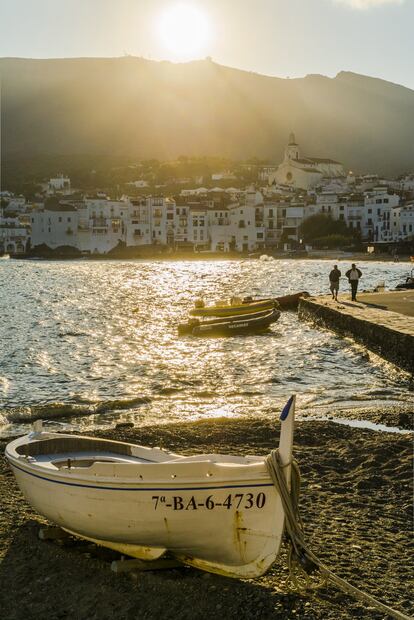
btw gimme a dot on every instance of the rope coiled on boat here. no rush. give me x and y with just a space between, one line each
299 550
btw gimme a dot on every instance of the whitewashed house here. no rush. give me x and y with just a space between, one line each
221 235
247 235
59 185
15 204
55 227
139 223
378 205
14 236
199 226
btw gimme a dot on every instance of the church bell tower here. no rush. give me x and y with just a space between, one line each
292 149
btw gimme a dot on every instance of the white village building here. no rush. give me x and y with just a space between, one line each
304 172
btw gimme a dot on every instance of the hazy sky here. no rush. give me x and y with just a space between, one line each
275 37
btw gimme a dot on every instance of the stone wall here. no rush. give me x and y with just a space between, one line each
388 334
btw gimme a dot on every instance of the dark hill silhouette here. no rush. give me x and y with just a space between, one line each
141 108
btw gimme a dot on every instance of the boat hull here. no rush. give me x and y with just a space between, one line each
226 528
227 311
220 513
231 326
247 325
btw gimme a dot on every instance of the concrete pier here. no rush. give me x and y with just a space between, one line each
383 322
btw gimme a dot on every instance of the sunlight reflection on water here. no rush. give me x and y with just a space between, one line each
91 332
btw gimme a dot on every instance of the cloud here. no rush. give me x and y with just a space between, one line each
367 4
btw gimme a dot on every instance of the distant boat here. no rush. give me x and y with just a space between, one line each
409 282
235 307
287 302
220 513
4 256
231 326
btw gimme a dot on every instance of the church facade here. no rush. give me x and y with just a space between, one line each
304 172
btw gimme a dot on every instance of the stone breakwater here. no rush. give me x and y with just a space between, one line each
387 333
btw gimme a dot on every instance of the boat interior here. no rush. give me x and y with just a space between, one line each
65 452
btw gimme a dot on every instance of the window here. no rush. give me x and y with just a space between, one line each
341 216
201 223
378 201
242 224
270 212
271 224
386 201
369 210
341 208
260 235
369 221
60 219
32 220
68 219
195 222
170 216
48 230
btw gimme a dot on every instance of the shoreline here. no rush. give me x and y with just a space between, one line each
356 503
398 416
216 256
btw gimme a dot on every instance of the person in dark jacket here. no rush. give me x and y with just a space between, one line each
334 280
353 276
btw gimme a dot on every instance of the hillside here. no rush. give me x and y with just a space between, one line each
140 108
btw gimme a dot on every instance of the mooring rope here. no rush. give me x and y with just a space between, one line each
305 558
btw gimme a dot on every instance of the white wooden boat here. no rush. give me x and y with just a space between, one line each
216 512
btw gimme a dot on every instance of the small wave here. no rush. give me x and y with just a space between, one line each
52 411
113 405
166 391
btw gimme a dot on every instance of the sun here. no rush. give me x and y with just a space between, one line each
184 31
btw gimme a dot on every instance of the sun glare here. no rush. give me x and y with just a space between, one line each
184 31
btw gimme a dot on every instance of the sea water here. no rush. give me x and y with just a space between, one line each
88 343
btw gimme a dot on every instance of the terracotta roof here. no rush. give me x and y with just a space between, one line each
322 160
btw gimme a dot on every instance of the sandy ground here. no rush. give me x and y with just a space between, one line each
356 503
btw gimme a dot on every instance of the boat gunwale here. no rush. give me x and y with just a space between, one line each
82 482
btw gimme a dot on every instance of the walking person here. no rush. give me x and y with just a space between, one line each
334 280
353 276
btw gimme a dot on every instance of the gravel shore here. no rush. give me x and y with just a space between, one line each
356 503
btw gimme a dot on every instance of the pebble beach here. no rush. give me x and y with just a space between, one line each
356 503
